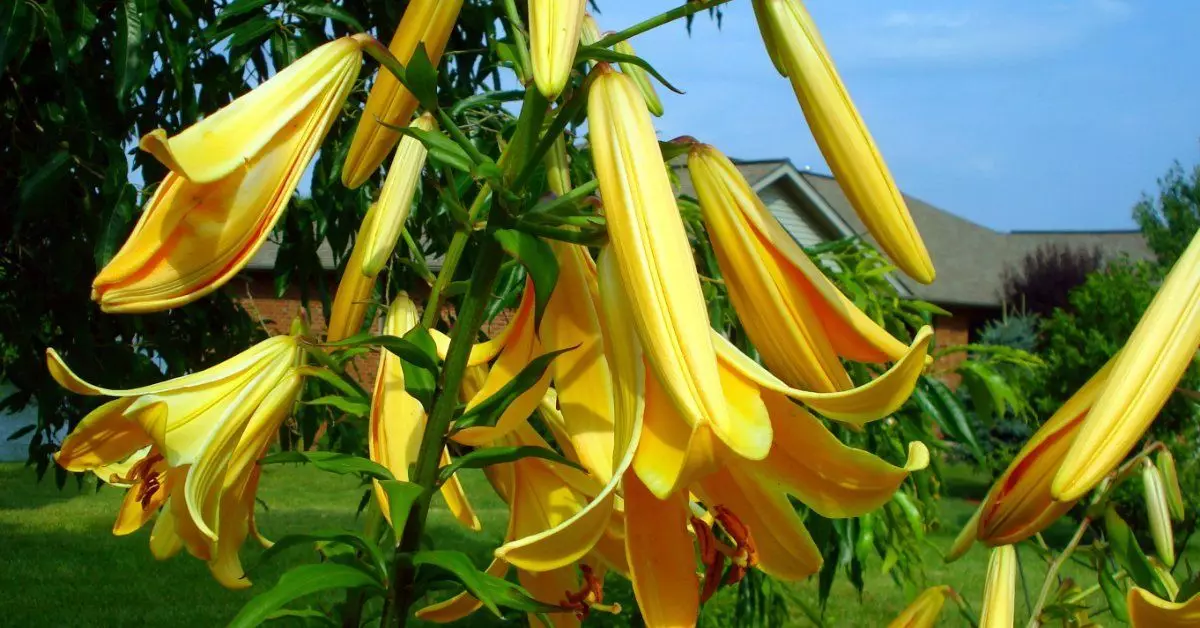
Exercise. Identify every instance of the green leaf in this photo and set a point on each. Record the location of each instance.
(401, 497)
(1113, 593)
(240, 7)
(493, 592)
(422, 78)
(349, 388)
(116, 225)
(299, 582)
(538, 259)
(480, 458)
(420, 382)
(955, 415)
(1129, 556)
(252, 31)
(402, 348)
(127, 49)
(353, 539)
(489, 411)
(304, 614)
(333, 462)
(439, 146)
(322, 8)
(349, 406)
(593, 53)
(485, 99)
(36, 186)
(16, 29)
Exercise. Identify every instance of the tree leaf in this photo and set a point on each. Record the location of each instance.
(403, 349)
(593, 53)
(353, 539)
(1130, 556)
(240, 7)
(401, 497)
(493, 592)
(480, 458)
(422, 78)
(116, 225)
(252, 31)
(538, 259)
(1113, 593)
(349, 406)
(321, 8)
(127, 49)
(488, 411)
(299, 582)
(955, 415)
(333, 462)
(419, 382)
(16, 29)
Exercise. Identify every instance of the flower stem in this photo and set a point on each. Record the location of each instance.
(684, 10)
(1035, 616)
(425, 471)
(458, 244)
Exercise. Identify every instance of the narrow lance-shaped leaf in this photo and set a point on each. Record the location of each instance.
(299, 582)
(488, 411)
(333, 462)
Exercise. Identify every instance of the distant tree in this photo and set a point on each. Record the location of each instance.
(1041, 282)
(1170, 221)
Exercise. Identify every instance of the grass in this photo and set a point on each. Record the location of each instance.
(61, 565)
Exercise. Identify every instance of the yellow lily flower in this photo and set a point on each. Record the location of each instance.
(554, 27)
(1020, 504)
(1000, 590)
(425, 21)
(355, 288)
(232, 175)
(796, 48)
(1147, 610)
(654, 259)
(924, 610)
(589, 31)
(397, 421)
(799, 321)
(1157, 354)
(541, 495)
(396, 198)
(201, 434)
(641, 77)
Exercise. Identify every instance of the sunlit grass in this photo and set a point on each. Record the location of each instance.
(61, 566)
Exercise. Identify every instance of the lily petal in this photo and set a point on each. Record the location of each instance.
(924, 610)
(785, 549)
(104, 436)
(831, 478)
(1147, 610)
(660, 555)
(355, 288)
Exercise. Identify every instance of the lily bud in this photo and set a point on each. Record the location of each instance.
(232, 175)
(554, 31)
(589, 31)
(654, 259)
(425, 21)
(1000, 591)
(1144, 375)
(924, 610)
(639, 76)
(558, 166)
(1166, 468)
(396, 198)
(798, 52)
(1157, 511)
(1020, 504)
(355, 288)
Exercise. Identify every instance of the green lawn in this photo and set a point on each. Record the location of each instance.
(61, 566)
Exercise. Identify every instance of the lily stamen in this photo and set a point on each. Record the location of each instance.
(589, 597)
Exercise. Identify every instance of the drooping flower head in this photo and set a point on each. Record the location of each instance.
(232, 175)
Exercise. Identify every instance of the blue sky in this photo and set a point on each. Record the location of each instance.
(1022, 114)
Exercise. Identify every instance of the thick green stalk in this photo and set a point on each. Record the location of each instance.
(470, 319)
(458, 244)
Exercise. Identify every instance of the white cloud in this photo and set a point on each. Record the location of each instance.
(982, 33)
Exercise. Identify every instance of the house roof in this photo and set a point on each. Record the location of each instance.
(970, 259)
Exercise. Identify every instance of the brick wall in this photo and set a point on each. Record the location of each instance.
(955, 330)
(275, 314)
